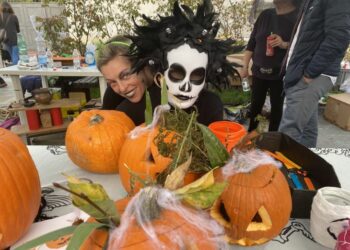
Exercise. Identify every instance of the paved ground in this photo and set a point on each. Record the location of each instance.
(329, 134)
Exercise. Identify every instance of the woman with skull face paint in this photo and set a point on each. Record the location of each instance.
(183, 47)
(272, 31)
(125, 91)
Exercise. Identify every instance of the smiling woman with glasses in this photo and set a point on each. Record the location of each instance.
(126, 90)
(114, 62)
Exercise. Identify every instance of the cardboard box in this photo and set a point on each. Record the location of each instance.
(338, 110)
(74, 111)
(45, 118)
(319, 170)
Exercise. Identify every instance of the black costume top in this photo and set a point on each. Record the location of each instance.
(208, 104)
(269, 22)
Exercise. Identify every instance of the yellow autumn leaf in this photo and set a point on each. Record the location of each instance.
(94, 191)
(176, 178)
(204, 182)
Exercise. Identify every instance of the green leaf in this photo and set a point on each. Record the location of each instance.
(206, 197)
(217, 152)
(164, 96)
(98, 204)
(81, 233)
(148, 110)
(107, 206)
(47, 237)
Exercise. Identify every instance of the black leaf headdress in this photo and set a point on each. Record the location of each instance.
(153, 41)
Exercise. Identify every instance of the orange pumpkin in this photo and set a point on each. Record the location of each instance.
(142, 157)
(255, 206)
(169, 223)
(95, 137)
(20, 190)
(98, 238)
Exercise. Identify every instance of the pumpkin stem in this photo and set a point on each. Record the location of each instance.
(96, 119)
(148, 202)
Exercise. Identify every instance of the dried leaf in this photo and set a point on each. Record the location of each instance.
(176, 178)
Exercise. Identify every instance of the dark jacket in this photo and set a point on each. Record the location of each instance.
(323, 39)
(10, 23)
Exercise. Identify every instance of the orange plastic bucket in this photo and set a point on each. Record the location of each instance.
(228, 133)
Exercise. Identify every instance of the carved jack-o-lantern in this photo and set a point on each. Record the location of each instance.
(143, 159)
(255, 206)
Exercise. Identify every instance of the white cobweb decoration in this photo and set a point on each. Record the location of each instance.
(165, 200)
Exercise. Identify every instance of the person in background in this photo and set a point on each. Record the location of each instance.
(10, 22)
(312, 64)
(272, 31)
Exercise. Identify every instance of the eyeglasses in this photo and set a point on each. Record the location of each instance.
(124, 78)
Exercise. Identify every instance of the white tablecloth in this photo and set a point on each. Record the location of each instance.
(51, 161)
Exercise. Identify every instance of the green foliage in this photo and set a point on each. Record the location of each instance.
(233, 96)
(55, 31)
(234, 18)
(190, 139)
(88, 21)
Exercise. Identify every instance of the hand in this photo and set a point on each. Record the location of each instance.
(278, 42)
(243, 72)
(307, 79)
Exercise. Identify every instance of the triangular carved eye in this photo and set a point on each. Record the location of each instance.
(149, 157)
(261, 221)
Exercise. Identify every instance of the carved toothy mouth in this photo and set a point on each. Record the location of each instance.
(183, 97)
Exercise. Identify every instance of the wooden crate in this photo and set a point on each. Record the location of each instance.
(338, 110)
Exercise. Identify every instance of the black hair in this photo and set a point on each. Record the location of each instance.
(153, 41)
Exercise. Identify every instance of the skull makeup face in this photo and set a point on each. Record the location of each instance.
(185, 76)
